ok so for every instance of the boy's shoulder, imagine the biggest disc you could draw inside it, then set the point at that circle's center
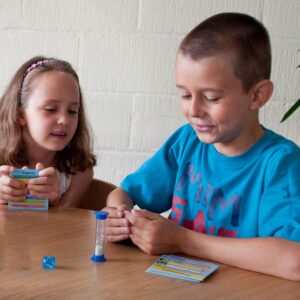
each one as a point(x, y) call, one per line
point(280, 142)
point(280, 146)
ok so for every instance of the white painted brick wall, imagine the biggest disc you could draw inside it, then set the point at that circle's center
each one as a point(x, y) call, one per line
point(124, 52)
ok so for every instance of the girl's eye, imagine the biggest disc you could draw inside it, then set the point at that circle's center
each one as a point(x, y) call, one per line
point(73, 112)
point(50, 109)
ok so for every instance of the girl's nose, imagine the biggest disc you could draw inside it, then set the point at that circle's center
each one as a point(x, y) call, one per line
point(63, 119)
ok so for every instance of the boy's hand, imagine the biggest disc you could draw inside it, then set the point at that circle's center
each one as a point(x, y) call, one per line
point(116, 225)
point(10, 188)
point(47, 185)
point(153, 233)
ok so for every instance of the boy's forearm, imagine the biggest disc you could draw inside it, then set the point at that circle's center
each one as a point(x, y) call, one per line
point(119, 197)
point(273, 256)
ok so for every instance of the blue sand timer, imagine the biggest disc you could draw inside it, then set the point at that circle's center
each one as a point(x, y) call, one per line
point(100, 236)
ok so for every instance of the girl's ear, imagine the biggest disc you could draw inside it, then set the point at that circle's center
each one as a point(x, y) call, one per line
point(22, 119)
point(261, 93)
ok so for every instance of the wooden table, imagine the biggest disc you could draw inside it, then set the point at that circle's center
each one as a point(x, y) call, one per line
point(68, 234)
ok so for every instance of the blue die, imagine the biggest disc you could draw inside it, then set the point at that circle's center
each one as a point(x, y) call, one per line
point(49, 262)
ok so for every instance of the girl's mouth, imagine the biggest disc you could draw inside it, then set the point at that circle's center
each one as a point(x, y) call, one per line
point(59, 134)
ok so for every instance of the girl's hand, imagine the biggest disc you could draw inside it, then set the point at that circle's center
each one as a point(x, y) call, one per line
point(10, 188)
point(46, 186)
point(153, 233)
point(116, 225)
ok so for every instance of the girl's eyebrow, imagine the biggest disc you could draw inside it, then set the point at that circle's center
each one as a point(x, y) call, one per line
point(59, 101)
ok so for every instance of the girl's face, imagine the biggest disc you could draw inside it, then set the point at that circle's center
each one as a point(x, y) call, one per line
point(50, 115)
point(215, 104)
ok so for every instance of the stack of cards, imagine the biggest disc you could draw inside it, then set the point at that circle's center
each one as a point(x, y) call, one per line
point(30, 202)
point(182, 268)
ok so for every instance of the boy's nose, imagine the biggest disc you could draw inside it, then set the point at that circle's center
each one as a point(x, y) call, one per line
point(196, 108)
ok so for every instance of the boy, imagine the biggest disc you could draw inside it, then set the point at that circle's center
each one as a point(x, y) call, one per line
point(233, 185)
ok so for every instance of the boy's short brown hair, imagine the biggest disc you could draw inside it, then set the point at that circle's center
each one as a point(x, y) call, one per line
point(240, 36)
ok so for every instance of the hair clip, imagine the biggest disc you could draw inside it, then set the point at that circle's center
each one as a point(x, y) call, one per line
point(34, 65)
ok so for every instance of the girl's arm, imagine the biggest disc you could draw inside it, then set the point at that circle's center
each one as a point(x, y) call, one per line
point(78, 187)
point(274, 256)
point(10, 188)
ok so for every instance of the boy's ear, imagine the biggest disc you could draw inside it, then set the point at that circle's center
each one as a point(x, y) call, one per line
point(261, 93)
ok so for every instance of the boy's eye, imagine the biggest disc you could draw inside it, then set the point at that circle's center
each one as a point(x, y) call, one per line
point(211, 98)
point(185, 96)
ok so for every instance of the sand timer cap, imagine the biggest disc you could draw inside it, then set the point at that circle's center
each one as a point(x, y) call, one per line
point(101, 215)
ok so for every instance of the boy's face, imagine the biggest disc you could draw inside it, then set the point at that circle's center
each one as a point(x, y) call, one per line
point(215, 104)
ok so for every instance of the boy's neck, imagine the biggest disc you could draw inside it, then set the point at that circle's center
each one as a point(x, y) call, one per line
point(241, 144)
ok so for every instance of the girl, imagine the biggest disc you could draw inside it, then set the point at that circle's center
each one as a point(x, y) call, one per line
point(43, 126)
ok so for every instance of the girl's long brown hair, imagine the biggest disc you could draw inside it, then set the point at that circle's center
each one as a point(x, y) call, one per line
point(76, 156)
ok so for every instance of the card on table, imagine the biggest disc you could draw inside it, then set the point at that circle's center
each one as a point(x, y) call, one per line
point(182, 268)
point(29, 202)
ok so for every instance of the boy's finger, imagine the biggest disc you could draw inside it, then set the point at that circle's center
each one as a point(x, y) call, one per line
point(117, 230)
point(117, 238)
point(113, 212)
point(116, 222)
point(143, 213)
point(136, 221)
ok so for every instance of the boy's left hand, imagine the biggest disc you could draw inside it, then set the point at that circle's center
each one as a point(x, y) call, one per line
point(47, 185)
point(153, 233)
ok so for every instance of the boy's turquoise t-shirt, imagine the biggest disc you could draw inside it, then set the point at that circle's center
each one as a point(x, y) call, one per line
point(256, 194)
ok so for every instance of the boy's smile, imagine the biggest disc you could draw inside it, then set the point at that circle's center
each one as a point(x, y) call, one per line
point(216, 105)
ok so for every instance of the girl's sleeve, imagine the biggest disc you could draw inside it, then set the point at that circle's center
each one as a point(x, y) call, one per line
point(280, 205)
point(151, 186)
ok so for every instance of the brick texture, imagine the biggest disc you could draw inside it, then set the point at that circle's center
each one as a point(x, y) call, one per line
point(124, 53)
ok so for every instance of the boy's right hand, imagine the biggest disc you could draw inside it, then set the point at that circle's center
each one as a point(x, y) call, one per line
point(116, 226)
point(10, 188)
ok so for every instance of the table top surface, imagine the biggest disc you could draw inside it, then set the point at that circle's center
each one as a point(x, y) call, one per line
point(69, 235)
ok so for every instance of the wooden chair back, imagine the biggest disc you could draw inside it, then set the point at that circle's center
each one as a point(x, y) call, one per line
point(95, 198)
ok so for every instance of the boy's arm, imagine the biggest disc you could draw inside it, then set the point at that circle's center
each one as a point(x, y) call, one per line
point(118, 197)
point(116, 225)
point(274, 256)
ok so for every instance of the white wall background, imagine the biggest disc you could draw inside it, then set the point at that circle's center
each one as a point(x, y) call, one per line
point(124, 53)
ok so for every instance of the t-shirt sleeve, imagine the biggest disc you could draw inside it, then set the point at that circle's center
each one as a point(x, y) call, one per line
point(151, 186)
point(280, 205)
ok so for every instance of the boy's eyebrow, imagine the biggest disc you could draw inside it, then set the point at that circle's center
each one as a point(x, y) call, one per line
point(205, 89)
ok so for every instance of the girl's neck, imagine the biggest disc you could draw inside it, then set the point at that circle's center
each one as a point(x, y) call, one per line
point(46, 159)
